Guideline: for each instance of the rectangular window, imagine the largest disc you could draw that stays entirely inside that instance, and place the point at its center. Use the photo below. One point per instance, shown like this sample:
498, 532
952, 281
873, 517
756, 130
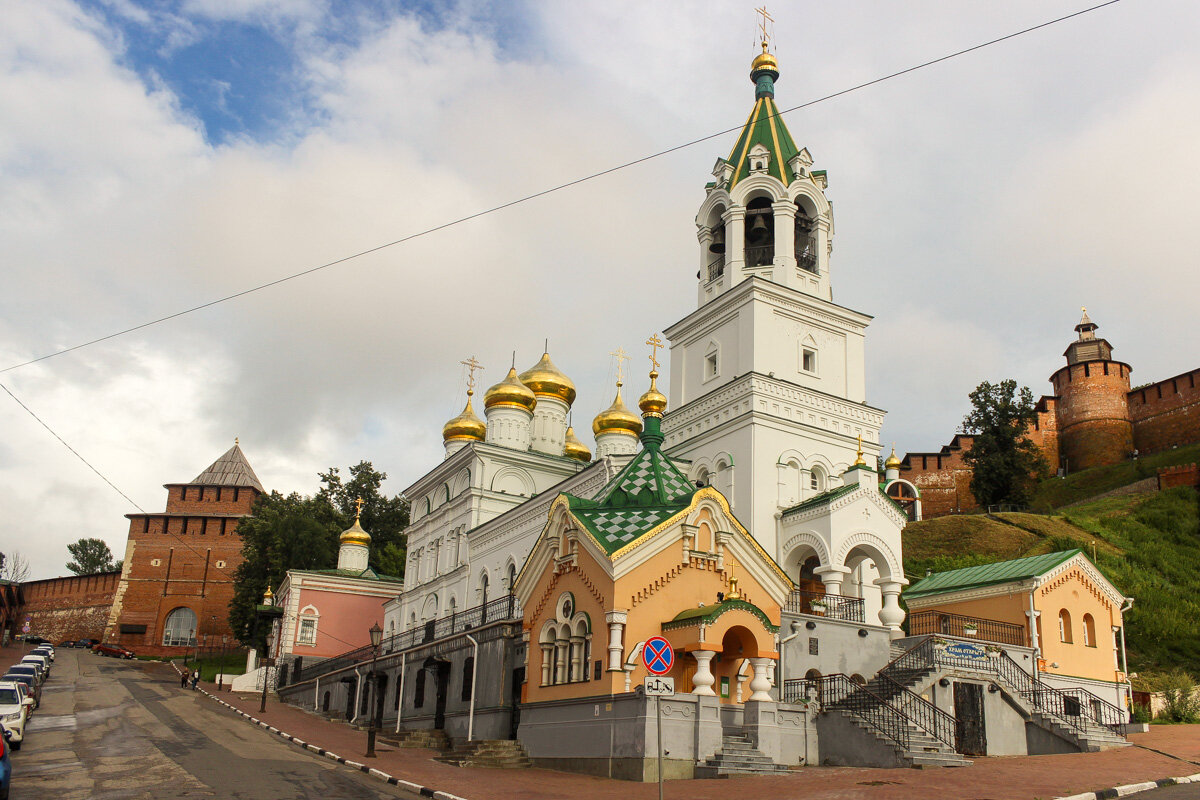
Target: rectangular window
710, 365
468, 674
725, 687
812, 647
419, 689
808, 360
308, 632
598, 670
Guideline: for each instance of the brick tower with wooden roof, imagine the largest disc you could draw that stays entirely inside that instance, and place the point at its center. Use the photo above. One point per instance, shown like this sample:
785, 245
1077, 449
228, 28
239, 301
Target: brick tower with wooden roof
177, 579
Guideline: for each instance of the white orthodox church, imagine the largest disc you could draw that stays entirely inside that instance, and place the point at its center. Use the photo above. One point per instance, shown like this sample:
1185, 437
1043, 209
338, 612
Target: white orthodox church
769, 406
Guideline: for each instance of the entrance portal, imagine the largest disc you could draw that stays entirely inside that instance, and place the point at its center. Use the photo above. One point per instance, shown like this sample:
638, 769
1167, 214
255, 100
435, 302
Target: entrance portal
969, 722
443, 690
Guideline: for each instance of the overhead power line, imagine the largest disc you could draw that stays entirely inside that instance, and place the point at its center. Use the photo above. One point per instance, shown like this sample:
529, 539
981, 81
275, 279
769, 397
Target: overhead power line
551, 190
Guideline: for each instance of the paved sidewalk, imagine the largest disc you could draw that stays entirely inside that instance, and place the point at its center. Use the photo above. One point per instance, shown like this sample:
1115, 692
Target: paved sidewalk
1000, 778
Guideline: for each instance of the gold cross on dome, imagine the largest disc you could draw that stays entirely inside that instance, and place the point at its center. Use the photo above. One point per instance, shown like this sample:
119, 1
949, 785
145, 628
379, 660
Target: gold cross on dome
471, 364
621, 356
762, 25
358, 511
654, 343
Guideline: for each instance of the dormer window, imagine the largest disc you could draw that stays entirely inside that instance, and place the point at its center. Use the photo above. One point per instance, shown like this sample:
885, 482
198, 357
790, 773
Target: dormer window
712, 361
759, 158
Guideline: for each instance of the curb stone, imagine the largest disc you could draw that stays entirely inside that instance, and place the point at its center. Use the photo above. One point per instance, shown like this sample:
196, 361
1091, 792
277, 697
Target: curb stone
379, 775
1132, 788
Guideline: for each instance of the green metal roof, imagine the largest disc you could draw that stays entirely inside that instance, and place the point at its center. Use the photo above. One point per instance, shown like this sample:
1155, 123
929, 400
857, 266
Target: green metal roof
1021, 569
647, 491
708, 614
367, 574
764, 126
821, 499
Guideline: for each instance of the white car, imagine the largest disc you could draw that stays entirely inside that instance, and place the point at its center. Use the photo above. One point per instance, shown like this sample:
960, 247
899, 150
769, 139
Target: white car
15, 708
36, 660
44, 649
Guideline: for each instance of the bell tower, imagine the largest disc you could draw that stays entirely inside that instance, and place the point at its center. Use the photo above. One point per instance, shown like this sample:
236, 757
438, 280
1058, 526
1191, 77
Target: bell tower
767, 374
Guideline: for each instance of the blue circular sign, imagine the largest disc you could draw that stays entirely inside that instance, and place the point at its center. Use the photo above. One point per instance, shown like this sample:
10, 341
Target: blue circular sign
658, 656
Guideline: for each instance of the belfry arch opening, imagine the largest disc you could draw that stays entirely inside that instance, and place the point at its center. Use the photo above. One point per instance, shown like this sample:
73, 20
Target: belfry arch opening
760, 233
806, 240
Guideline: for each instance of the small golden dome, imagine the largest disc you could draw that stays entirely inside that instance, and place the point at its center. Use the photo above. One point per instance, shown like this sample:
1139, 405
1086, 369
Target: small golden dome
573, 448
764, 61
653, 403
617, 418
466, 425
355, 535
546, 380
510, 392
892, 462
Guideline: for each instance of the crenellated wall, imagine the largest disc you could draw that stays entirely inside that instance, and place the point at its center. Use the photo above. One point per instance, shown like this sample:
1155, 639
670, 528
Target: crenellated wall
1166, 414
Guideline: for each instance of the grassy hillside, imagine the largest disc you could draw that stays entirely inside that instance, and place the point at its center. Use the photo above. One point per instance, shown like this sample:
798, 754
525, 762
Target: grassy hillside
1058, 492
1147, 545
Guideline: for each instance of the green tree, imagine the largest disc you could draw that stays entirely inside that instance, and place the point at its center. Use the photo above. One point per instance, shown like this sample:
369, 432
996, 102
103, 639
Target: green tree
1006, 464
299, 532
90, 557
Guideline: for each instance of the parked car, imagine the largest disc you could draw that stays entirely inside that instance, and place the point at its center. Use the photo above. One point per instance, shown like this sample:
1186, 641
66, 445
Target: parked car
67, 643
87, 643
14, 711
29, 679
112, 650
31, 638
44, 649
39, 661
5, 767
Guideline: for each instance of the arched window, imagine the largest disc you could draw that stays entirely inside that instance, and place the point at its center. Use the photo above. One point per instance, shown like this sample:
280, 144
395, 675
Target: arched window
1064, 627
180, 628
512, 578
816, 479
1089, 631
483, 589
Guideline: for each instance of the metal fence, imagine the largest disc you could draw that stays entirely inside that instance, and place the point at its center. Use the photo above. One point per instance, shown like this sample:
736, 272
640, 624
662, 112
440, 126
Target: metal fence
850, 609
987, 630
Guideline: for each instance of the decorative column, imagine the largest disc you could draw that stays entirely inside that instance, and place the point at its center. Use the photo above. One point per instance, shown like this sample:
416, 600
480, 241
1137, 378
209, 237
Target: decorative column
576, 673
703, 680
785, 241
547, 654
760, 684
1032, 616
832, 577
560, 664
689, 541
616, 638
891, 615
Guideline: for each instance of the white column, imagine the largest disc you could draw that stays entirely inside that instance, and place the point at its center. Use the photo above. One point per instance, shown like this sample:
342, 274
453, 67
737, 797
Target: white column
891, 615
576, 658
703, 680
832, 577
760, 684
547, 654
785, 242
560, 653
1032, 616
735, 245
616, 638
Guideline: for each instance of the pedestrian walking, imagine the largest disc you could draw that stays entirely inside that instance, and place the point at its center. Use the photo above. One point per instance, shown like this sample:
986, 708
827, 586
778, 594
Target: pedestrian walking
183, 678
195, 679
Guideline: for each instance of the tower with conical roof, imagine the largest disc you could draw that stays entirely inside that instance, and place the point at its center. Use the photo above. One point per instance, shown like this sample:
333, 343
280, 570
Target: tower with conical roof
768, 374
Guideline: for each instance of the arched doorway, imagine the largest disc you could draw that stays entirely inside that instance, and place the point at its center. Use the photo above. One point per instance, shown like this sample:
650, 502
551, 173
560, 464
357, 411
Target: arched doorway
733, 669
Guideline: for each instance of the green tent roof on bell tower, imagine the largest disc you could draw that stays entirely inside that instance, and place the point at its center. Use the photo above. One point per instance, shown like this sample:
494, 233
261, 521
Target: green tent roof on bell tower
764, 126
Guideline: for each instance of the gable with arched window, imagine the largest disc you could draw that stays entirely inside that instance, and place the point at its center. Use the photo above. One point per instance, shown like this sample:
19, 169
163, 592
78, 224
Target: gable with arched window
1089, 631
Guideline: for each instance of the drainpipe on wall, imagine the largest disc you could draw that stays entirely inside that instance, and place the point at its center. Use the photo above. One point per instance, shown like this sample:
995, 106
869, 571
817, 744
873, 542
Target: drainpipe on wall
317, 694
474, 672
782, 681
357, 693
1033, 632
1124, 664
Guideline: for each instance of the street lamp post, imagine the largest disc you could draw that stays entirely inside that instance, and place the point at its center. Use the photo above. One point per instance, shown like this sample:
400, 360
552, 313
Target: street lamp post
192, 637
267, 613
376, 637
221, 667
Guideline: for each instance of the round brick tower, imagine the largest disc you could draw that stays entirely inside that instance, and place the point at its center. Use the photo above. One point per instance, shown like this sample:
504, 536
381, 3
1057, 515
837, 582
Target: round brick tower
1094, 426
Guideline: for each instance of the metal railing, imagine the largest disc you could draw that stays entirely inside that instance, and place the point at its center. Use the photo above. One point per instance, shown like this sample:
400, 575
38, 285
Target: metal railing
806, 255
760, 256
986, 630
716, 268
831, 606
924, 714
498, 610
840, 692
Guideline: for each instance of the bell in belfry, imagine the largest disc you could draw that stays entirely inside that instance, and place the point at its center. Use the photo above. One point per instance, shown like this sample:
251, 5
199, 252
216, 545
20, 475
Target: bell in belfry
718, 240
758, 233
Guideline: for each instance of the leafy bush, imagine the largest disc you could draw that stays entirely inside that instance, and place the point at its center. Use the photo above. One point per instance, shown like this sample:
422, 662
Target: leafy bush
1181, 698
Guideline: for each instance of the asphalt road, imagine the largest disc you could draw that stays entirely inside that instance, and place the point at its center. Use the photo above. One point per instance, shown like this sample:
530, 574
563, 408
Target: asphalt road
110, 729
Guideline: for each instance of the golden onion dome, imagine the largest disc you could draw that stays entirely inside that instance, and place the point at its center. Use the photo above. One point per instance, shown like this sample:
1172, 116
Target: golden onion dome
653, 403
573, 448
466, 425
764, 60
892, 462
355, 535
617, 418
546, 380
510, 392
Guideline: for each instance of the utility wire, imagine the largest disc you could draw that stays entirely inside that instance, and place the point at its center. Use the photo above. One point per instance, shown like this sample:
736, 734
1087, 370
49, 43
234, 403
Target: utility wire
551, 190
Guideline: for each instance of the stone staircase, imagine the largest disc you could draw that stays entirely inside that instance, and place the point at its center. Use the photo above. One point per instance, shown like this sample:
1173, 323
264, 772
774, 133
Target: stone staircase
427, 738
923, 750
1089, 738
738, 756
493, 753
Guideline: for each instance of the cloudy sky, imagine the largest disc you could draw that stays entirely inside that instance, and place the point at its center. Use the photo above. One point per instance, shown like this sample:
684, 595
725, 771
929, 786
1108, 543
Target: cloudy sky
158, 155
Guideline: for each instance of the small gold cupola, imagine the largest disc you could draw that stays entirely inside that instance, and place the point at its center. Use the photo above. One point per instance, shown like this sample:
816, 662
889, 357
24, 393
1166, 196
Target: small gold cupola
892, 462
466, 426
355, 533
653, 403
510, 392
547, 380
573, 448
617, 418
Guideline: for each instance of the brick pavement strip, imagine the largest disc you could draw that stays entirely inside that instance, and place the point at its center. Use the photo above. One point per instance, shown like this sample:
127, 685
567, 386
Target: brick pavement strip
996, 778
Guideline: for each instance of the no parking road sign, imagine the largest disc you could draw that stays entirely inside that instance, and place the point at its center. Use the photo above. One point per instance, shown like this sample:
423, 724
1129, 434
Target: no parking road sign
658, 656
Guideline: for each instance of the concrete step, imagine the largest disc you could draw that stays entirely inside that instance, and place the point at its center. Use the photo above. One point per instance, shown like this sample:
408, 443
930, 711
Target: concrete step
492, 753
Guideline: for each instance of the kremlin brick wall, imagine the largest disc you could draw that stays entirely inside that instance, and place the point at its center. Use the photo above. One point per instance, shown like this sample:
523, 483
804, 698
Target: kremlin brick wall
1166, 414
73, 607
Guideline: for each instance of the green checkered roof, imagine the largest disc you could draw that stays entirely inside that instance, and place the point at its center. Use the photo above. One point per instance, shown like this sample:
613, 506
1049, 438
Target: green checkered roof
647, 491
